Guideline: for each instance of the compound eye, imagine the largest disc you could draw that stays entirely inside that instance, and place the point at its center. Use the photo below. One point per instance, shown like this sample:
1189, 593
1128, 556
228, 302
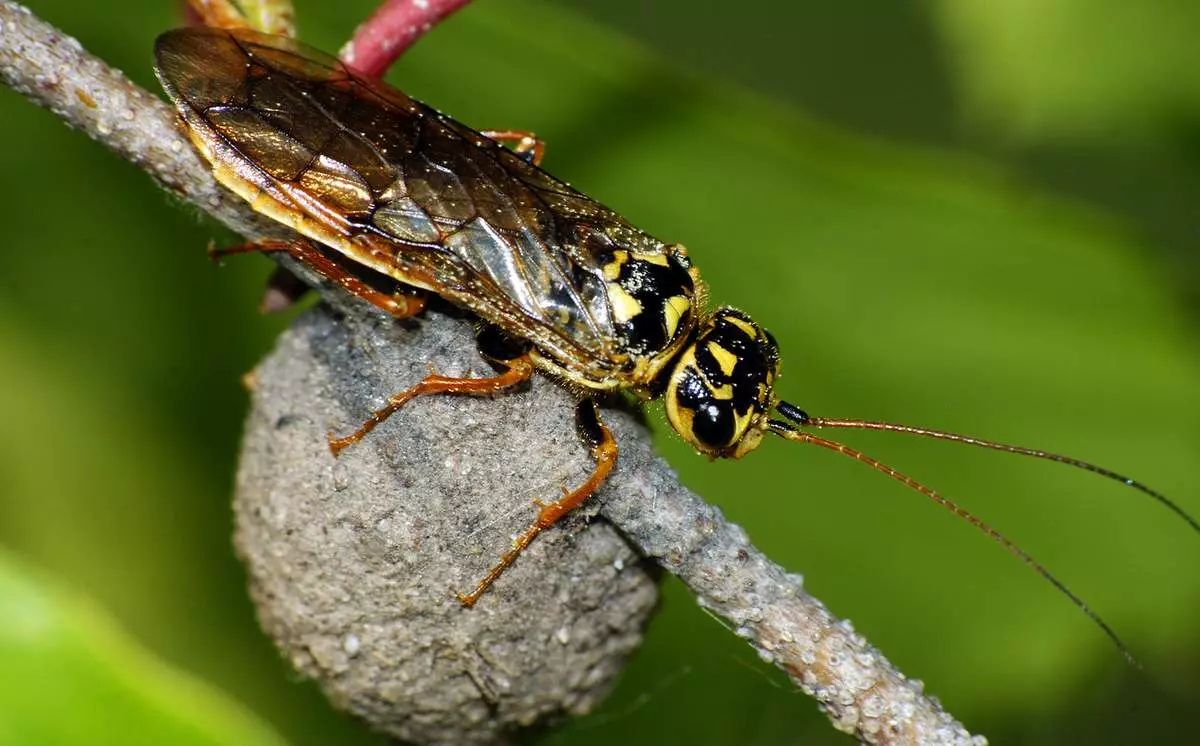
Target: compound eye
713, 424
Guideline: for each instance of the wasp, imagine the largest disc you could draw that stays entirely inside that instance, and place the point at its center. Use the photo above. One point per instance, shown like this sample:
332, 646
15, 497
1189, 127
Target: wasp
379, 184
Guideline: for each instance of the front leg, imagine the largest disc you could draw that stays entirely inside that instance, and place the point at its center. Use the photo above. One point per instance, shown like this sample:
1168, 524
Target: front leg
525, 144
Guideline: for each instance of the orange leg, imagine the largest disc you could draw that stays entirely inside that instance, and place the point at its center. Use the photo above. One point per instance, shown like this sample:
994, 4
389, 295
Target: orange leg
519, 370
218, 13
525, 144
398, 305
604, 450
269, 16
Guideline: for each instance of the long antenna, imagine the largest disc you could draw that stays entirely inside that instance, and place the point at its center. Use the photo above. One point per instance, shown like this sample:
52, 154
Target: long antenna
786, 430
803, 419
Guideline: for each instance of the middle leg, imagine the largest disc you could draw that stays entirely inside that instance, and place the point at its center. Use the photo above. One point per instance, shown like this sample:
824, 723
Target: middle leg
494, 345
398, 305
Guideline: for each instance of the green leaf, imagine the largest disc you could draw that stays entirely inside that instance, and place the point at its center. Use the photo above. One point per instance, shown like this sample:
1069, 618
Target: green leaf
72, 677
1039, 69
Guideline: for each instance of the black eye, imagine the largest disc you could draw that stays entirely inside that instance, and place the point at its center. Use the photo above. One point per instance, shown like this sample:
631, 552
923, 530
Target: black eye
713, 424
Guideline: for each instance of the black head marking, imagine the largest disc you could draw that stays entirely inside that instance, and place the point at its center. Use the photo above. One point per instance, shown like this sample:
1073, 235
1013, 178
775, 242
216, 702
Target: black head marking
723, 385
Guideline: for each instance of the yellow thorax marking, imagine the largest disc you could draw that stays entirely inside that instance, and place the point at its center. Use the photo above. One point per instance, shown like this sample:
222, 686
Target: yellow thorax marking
674, 309
624, 305
659, 259
612, 270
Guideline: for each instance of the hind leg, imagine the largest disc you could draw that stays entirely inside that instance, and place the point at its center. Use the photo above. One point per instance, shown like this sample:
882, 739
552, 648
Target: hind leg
399, 305
596, 435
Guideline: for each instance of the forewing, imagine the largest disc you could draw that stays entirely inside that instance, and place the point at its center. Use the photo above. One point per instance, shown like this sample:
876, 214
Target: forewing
417, 195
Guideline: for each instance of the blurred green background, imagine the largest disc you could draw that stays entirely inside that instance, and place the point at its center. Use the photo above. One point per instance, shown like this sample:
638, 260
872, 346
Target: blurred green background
967, 215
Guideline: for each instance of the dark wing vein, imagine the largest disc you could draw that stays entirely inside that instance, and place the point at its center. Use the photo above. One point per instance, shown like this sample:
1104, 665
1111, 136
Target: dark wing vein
496, 234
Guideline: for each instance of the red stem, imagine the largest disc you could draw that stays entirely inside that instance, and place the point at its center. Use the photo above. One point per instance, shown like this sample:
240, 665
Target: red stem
393, 28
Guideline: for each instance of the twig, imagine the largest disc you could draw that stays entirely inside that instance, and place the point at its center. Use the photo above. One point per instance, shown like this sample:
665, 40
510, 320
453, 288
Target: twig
394, 27
55, 72
853, 683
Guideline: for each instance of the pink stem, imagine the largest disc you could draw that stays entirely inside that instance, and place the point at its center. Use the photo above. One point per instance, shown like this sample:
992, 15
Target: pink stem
392, 28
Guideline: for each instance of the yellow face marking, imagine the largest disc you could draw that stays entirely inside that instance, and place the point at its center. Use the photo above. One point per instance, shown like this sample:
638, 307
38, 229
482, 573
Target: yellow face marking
681, 417
673, 310
612, 270
744, 325
724, 393
726, 359
741, 422
624, 305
